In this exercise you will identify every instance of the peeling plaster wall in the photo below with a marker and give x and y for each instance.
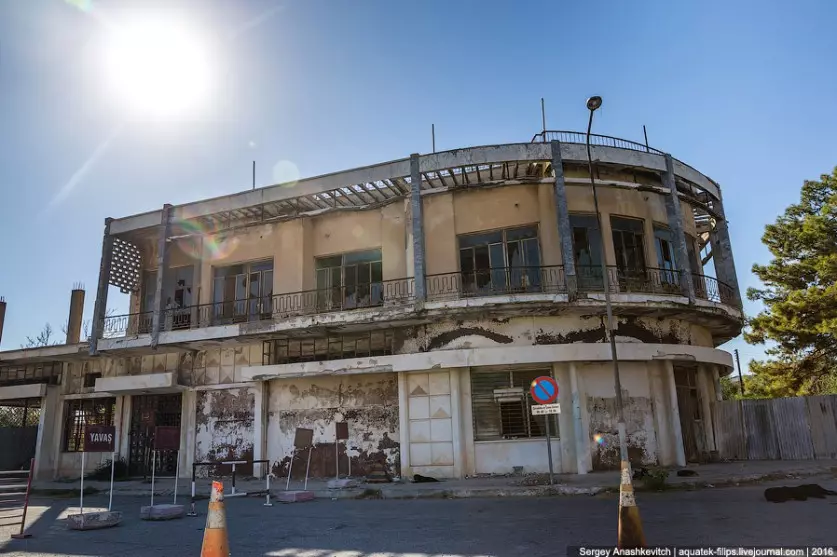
(224, 428)
(601, 415)
(516, 331)
(368, 402)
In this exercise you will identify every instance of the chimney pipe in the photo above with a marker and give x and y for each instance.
(76, 312)
(2, 316)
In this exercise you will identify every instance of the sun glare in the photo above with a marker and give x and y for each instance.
(158, 68)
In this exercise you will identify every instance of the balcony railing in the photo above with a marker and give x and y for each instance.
(595, 139)
(648, 281)
(131, 324)
(496, 281)
(710, 288)
(507, 281)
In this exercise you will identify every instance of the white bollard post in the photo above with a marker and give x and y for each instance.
(307, 467)
(267, 502)
(233, 479)
(176, 474)
(112, 466)
(81, 498)
(290, 469)
(153, 469)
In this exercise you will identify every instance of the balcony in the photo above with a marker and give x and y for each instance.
(515, 282)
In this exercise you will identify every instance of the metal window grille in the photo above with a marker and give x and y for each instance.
(289, 351)
(49, 373)
(82, 412)
(502, 406)
(20, 413)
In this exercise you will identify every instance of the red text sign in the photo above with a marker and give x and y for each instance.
(99, 438)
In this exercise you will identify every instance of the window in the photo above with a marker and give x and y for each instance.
(90, 380)
(587, 251)
(364, 345)
(502, 406)
(629, 249)
(351, 280)
(83, 412)
(500, 261)
(666, 262)
(242, 292)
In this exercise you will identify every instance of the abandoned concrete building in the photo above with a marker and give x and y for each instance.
(415, 300)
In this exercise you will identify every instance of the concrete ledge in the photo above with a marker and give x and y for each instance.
(162, 512)
(295, 496)
(138, 384)
(94, 521)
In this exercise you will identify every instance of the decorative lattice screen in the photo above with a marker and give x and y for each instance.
(125, 266)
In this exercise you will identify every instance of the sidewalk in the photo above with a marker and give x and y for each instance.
(709, 475)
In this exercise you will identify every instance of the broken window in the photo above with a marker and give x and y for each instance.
(666, 261)
(83, 412)
(587, 251)
(502, 406)
(629, 249)
(350, 280)
(500, 261)
(289, 351)
(242, 292)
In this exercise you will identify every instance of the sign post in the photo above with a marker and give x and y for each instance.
(544, 391)
(97, 439)
(166, 438)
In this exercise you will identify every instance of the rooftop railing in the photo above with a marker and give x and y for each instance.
(595, 139)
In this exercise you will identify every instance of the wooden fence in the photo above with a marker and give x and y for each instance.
(801, 428)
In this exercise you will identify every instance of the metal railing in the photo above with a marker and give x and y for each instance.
(648, 281)
(713, 290)
(130, 324)
(595, 139)
(496, 281)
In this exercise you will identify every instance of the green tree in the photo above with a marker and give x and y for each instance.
(799, 294)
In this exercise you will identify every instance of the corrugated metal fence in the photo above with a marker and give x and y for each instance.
(801, 428)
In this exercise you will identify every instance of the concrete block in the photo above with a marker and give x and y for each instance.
(94, 521)
(345, 483)
(161, 512)
(295, 496)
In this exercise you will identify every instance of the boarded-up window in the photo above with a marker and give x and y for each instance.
(83, 412)
(502, 406)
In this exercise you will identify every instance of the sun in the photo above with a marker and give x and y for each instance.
(157, 68)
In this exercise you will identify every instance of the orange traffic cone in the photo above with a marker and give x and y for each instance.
(629, 532)
(215, 542)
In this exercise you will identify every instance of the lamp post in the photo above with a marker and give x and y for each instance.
(593, 103)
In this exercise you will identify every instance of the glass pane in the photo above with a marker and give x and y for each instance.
(522, 233)
(218, 290)
(322, 279)
(266, 265)
(267, 284)
(377, 272)
(326, 262)
(364, 273)
(531, 253)
(349, 287)
(229, 271)
(481, 239)
(627, 225)
(466, 266)
(362, 256)
(515, 254)
(498, 271)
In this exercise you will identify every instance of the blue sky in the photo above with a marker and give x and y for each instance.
(742, 90)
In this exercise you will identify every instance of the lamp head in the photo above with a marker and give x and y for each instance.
(594, 103)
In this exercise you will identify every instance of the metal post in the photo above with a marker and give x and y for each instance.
(433, 133)
(192, 504)
(623, 446)
(336, 460)
(349, 458)
(112, 467)
(645, 133)
(21, 535)
(267, 502)
(740, 378)
(290, 469)
(81, 497)
(543, 119)
(307, 467)
(233, 479)
(417, 227)
(176, 474)
(153, 470)
(549, 450)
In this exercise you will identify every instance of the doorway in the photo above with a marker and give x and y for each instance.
(691, 412)
(148, 412)
(19, 422)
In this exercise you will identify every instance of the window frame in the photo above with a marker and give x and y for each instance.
(249, 307)
(358, 294)
(506, 276)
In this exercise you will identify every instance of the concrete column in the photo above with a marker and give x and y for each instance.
(705, 388)
(469, 466)
(565, 231)
(675, 223)
(162, 268)
(716, 376)
(417, 229)
(566, 423)
(188, 416)
(722, 252)
(456, 422)
(123, 433)
(45, 455)
(404, 424)
(100, 308)
(260, 402)
(583, 458)
(680, 451)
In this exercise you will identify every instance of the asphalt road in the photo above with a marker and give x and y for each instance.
(464, 527)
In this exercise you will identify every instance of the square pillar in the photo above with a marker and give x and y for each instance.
(722, 254)
(583, 458)
(261, 399)
(45, 455)
(100, 308)
(679, 448)
(188, 416)
(566, 423)
(404, 424)
(675, 223)
(162, 267)
(565, 232)
(456, 422)
(417, 225)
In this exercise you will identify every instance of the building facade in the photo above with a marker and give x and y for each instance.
(415, 300)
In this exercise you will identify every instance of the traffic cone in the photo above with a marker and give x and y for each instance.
(630, 534)
(215, 542)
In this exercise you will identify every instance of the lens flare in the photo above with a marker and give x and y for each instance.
(83, 5)
(203, 243)
(599, 439)
(285, 173)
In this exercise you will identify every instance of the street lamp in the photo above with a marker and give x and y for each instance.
(593, 103)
